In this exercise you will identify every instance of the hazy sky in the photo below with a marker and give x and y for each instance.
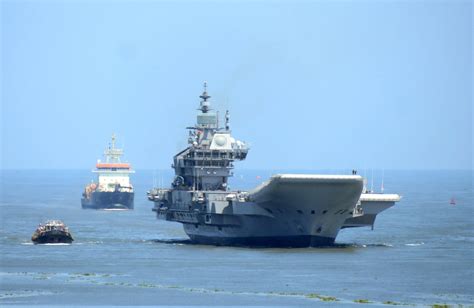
(309, 84)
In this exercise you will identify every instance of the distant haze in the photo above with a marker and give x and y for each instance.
(309, 84)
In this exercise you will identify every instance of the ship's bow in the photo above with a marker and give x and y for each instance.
(308, 206)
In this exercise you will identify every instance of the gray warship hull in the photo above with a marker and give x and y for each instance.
(286, 241)
(274, 237)
(287, 211)
(109, 200)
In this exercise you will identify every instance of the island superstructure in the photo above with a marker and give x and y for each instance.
(113, 189)
(288, 210)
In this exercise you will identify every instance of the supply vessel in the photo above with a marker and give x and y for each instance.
(113, 189)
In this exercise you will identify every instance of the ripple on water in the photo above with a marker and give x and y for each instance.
(46, 244)
(23, 293)
(356, 245)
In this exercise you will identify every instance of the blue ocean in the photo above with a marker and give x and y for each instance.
(420, 253)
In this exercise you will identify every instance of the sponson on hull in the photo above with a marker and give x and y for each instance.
(370, 205)
(288, 210)
(113, 190)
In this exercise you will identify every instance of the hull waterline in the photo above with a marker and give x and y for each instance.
(109, 200)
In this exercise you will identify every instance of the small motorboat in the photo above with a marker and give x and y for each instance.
(52, 231)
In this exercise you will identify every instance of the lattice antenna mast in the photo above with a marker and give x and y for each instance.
(113, 154)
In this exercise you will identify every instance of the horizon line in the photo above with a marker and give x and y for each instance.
(254, 169)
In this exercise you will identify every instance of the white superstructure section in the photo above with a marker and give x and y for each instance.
(109, 180)
(113, 174)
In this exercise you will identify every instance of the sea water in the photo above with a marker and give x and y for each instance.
(421, 251)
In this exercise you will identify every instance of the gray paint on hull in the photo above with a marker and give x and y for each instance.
(366, 220)
(305, 210)
(287, 207)
(370, 208)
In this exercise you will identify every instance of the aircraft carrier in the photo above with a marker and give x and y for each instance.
(288, 210)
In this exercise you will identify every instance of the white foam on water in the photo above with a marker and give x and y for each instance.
(115, 209)
(415, 244)
(88, 242)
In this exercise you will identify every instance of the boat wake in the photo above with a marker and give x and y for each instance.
(415, 244)
(357, 245)
(46, 244)
(115, 210)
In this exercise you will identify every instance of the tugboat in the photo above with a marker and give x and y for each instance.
(113, 190)
(52, 231)
(288, 210)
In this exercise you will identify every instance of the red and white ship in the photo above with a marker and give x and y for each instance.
(113, 189)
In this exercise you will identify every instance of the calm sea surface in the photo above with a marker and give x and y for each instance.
(420, 253)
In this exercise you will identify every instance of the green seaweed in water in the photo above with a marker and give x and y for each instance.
(146, 285)
(322, 298)
(362, 301)
(391, 303)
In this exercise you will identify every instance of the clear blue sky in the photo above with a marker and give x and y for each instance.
(310, 84)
